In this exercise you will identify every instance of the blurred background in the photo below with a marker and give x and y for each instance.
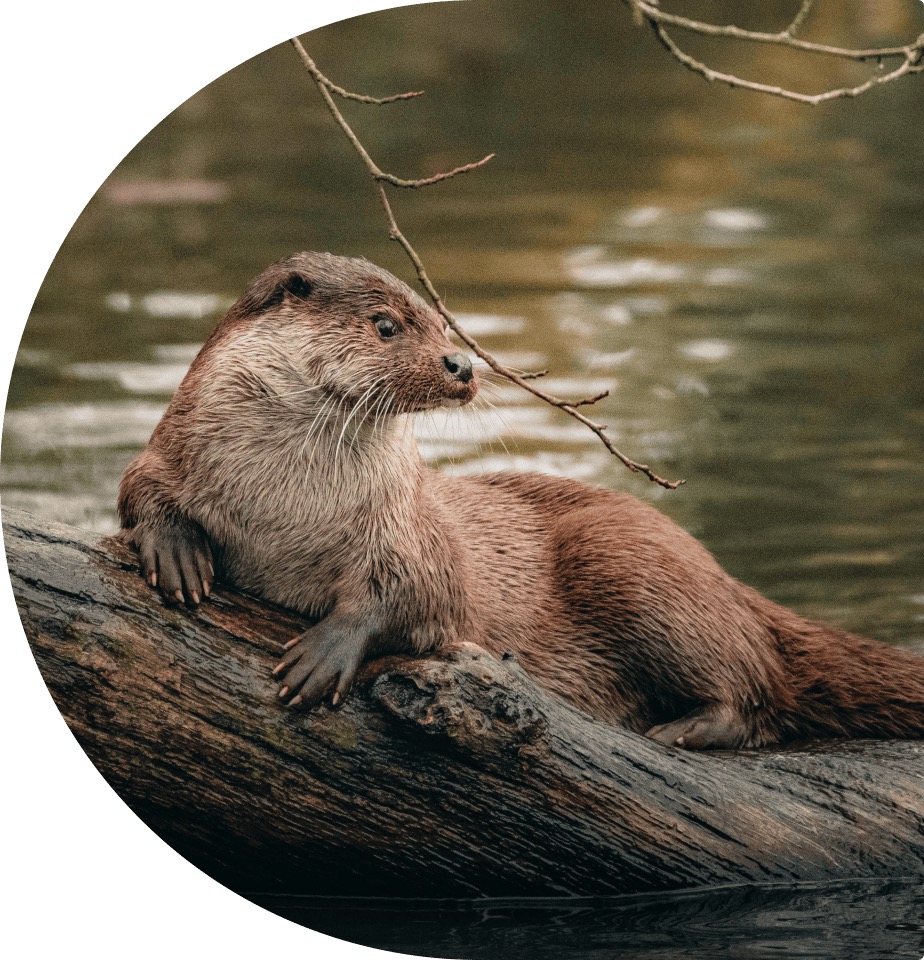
(745, 274)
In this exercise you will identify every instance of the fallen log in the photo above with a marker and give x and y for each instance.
(454, 776)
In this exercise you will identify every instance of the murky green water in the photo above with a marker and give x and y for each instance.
(745, 275)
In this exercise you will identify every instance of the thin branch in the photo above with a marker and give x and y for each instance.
(651, 12)
(799, 18)
(637, 18)
(347, 94)
(592, 400)
(362, 98)
(911, 54)
(327, 87)
(429, 181)
(908, 65)
(522, 380)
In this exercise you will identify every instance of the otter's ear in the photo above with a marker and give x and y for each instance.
(298, 286)
(266, 295)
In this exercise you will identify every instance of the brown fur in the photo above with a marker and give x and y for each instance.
(286, 456)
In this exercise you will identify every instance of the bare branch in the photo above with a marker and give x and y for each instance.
(799, 18)
(326, 87)
(346, 94)
(783, 39)
(911, 55)
(637, 17)
(429, 181)
(522, 380)
(592, 400)
(378, 101)
(906, 66)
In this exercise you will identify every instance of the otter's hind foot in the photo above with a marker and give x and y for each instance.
(713, 727)
(176, 558)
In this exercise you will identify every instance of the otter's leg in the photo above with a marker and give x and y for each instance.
(323, 660)
(176, 558)
(712, 727)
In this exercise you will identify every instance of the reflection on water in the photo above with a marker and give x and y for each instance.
(859, 920)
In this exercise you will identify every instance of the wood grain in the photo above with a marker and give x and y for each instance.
(449, 777)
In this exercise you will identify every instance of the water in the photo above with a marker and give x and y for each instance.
(745, 276)
(861, 920)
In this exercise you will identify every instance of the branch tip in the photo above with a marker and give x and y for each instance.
(383, 177)
(589, 401)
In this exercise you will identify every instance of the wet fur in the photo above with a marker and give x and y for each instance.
(287, 459)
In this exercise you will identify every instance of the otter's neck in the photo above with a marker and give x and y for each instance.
(303, 455)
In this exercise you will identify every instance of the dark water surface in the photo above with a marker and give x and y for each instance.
(746, 275)
(859, 920)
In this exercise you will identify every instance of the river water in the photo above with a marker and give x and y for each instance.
(828, 922)
(745, 275)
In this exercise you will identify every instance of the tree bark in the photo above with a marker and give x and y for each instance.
(450, 777)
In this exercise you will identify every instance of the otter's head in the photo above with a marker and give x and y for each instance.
(345, 328)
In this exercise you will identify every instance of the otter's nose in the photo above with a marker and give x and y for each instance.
(459, 366)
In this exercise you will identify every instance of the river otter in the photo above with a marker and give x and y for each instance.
(286, 456)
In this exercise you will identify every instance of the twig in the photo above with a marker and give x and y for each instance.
(437, 178)
(799, 18)
(784, 38)
(906, 66)
(636, 9)
(327, 88)
(911, 54)
(381, 178)
(362, 98)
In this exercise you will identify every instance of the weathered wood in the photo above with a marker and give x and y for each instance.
(439, 777)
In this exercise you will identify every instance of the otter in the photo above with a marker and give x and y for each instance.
(285, 462)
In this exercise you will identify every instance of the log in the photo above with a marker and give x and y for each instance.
(454, 776)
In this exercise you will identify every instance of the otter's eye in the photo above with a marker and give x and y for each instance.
(386, 327)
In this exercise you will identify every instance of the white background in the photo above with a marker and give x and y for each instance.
(82, 83)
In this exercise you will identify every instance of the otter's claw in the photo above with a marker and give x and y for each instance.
(176, 558)
(324, 659)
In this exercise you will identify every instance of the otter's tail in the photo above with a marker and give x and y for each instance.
(843, 685)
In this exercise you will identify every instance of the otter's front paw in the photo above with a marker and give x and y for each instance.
(322, 660)
(176, 558)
